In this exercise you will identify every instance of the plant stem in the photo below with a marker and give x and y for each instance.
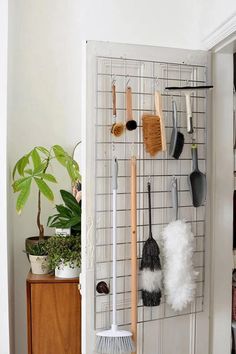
(40, 226)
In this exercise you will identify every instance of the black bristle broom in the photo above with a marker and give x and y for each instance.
(151, 273)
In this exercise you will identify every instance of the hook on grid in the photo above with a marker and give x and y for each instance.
(114, 79)
(128, 80)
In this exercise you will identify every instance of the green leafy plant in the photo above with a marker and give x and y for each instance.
(32, 168)
(62, 249)
(37, 249)
(68, 216)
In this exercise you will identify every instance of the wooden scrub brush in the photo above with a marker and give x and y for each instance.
(117, 128)
(131, 124)
(154, 130)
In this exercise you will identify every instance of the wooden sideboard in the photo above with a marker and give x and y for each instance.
(53, 315)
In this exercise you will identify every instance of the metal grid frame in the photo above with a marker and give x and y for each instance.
(160, 75)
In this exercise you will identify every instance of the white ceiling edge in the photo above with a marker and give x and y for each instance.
(220, 33)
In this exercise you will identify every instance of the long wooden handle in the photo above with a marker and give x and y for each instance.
(114, 100)
(129, 114)
(133, 251)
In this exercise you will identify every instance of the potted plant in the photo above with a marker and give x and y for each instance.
(68, 215)
(38, 258)
(33, 168)
(64, 254)
(65, 251)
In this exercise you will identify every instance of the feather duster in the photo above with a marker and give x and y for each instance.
(179, 274)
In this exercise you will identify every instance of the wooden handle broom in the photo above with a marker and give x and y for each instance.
(133, 252)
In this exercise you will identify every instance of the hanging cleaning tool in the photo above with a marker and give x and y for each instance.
(178, 268)
(131, 124)
(177, 138)
(189, 113)
(114, 341)
(197, 181)
(117, 128)
(134, 288)
(154, 129)
(151, 274)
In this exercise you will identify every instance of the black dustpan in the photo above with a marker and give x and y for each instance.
(197, 181)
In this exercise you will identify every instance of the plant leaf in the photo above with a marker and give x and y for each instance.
(70, 201)
(40, 168)
(44, 189)
(73, 170)
(20, 166)
(64, 211)
(43, 150)
(19, 184)
(23, 196)
(60, 154)
(35, 158)
(49, 177)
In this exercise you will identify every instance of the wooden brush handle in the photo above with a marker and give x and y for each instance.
(133, 251)
(158, 104)
(158, 108)
(129, 115)
(114, 100)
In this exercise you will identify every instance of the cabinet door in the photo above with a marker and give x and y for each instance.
(55, 311)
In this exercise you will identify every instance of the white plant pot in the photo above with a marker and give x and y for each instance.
(39, 264)
(66, 271)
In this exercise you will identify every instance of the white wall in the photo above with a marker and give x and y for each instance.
(214, 13)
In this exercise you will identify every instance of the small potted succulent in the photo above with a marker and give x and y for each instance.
(65, 251)
(35, 168)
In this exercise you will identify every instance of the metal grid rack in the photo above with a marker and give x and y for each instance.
(144, 77)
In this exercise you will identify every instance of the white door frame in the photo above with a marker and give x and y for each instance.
(4, 294)
(221, 46)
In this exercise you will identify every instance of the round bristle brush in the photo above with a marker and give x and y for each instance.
(117, 128)
(131, 124)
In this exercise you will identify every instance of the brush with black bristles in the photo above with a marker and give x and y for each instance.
(151, 274)
(131, 124)
(177, 138)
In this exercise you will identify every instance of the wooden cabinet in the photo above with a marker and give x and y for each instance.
(54, 315)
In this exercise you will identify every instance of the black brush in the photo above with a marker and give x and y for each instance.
(131, 124)
(177, 138)
(151, 266)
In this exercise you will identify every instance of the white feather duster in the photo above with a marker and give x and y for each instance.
(178, 270)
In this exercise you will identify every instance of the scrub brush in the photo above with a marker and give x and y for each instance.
(131, 124)
(117, 128)
(154, 130)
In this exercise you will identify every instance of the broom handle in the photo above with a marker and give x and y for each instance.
(114, 204)
(133, 251)
(149, 209)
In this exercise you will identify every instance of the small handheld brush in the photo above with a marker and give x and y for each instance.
(154, 129)
(117, 128)
(114, 341)
(151, 273)
(131, 124)
(177, 138)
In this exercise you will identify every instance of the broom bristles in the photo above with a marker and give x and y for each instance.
(152, 134)
(114, 345)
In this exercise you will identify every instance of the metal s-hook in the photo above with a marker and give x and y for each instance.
(128, 80)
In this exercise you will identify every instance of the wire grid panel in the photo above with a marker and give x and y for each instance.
(144, 77)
